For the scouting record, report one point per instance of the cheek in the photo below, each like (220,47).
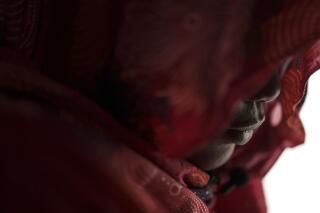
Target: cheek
(212,156)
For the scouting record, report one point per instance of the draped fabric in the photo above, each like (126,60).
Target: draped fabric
(101,101)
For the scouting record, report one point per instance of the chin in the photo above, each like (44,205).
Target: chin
(212,156)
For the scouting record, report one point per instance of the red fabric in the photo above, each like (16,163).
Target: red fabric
(64,150)
(252,199)
(59,170)
(178,57)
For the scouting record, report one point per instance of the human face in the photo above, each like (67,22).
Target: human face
(248,116)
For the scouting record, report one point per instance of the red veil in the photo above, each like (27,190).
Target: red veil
(101,100)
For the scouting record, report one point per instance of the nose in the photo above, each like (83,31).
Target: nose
(270,91)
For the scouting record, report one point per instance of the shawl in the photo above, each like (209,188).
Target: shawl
(101,100)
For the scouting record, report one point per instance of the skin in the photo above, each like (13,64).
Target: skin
(248,116)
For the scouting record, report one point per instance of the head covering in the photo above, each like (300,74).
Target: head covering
(174,72)
(182,70)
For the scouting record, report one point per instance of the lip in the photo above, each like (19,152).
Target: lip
(238,137)
(249,115)
(250,127)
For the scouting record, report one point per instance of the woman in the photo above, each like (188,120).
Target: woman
(137,106)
